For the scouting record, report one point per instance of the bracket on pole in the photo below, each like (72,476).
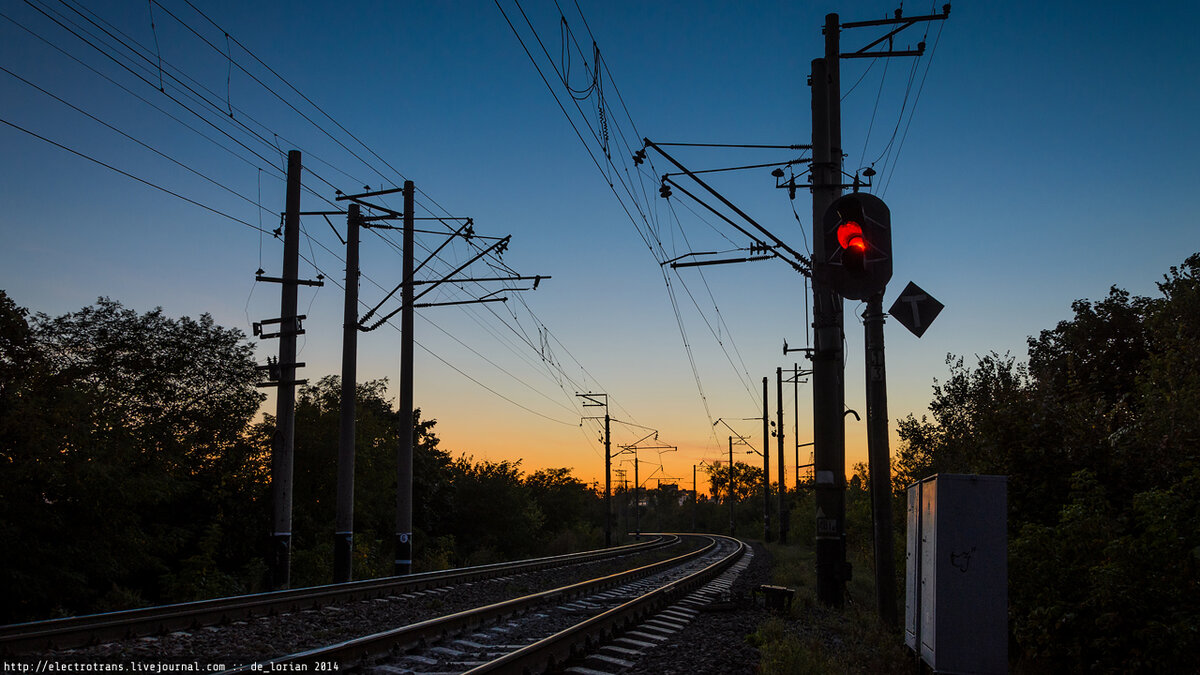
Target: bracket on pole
(808,351)
(590,400)
(798,261)
(320,281)
(902,22)
(281,384)
(258,328)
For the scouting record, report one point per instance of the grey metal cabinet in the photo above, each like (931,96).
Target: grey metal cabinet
(956,573)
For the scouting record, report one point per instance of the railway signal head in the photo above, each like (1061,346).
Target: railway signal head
(857,247)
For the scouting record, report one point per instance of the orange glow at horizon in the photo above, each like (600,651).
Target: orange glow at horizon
(583,455)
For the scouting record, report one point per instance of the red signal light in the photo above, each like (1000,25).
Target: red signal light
(850,236)
(855,256)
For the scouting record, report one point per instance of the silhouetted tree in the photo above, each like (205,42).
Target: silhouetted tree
(1100,438)
(125,473)
(746,480)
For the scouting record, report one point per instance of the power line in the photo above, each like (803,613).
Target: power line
(93,44)
(263,84)
(129,175)
(306,99)
(201,98)
(875,108)
(130,92)
(314,105)
(649,236)
(496,365)
(141,143)
(928,63)
(903,107)
(207,103)
(721,322)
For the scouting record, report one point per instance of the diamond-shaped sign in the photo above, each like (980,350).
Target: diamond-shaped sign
(915,309)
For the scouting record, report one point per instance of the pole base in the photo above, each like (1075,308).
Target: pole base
(281,561)
(403,554)
(343,557)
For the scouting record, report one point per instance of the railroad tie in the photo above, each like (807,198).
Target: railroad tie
(580,670)
(642,635)
(639,644)
(620,652)
(469,644)
(446,651)
(676,615)
(663,626)
(392,670)
(610,660)
(416,658)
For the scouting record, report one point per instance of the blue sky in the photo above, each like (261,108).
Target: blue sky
(1051,154)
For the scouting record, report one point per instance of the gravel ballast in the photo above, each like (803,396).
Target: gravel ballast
(715,640)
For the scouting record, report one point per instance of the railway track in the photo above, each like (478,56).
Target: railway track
(72,632)
(605,621)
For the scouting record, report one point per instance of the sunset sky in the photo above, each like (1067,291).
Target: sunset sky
(1035,155)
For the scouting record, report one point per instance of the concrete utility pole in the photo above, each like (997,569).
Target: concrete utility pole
(594,401)
(343,536)
(784,515)
(828,373)
(281,373)
(878,457)
(794,379)
(283,442)
(693,498)
(408,431)
(407,428)
(607,476)
(766,468)
(729,489)
(625,507)
(637,502)
(829,433)
(796,420)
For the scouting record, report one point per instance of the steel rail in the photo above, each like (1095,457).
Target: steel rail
(89,629)
(432,630)
(575,642)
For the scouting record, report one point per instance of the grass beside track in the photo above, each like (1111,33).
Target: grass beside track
(811,638)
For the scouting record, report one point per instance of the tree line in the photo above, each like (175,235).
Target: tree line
(134,470)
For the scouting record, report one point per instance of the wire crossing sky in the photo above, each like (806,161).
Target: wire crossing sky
(1034,155)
